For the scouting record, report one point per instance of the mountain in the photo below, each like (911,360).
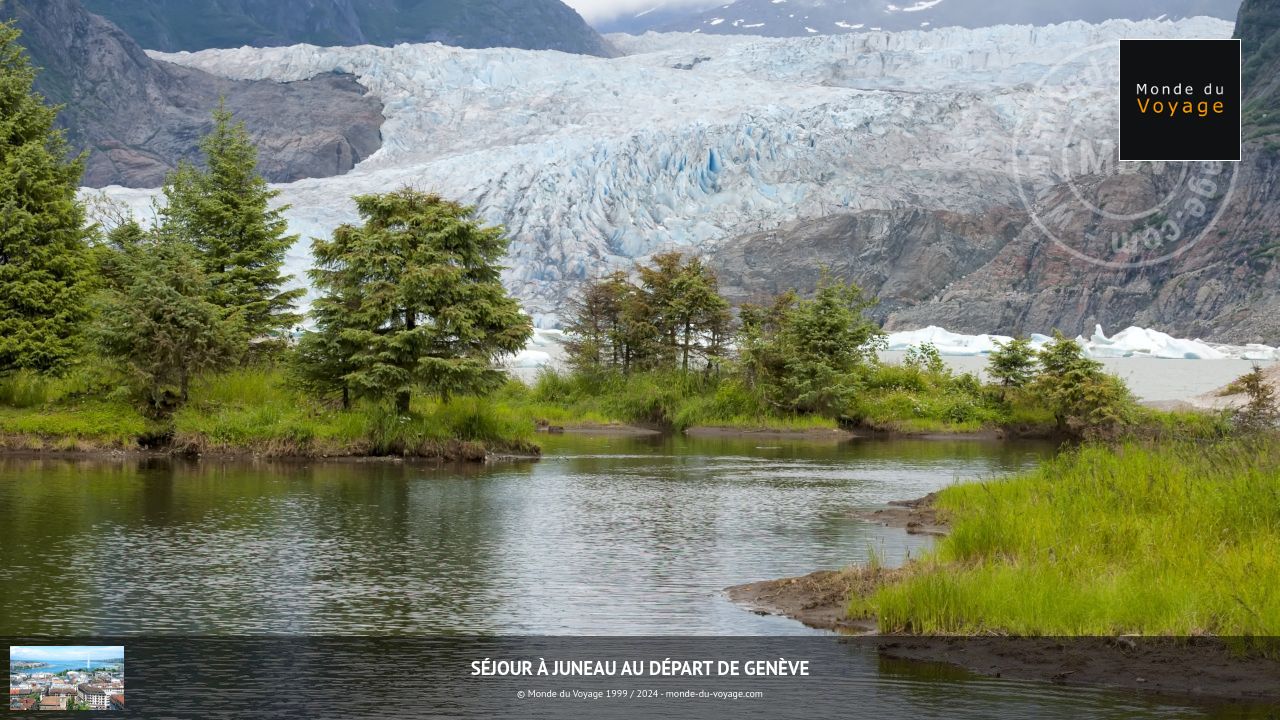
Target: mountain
(1226,285)
(138,117)
(174,25)
(1259,31)
(799,18)
(707,144)
(660,14)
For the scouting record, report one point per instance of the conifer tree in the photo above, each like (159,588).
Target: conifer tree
(43,249)
(156,320)
(422,299)
(806,354)
(224,211)
(325,356)
(686,308)
(1013,364)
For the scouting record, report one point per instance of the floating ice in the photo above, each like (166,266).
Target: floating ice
(1130,342)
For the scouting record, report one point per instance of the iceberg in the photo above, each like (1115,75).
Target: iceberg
(1130,342)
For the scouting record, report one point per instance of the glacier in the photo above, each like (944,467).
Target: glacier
(596,164)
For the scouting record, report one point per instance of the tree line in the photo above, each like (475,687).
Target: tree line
(409,300)
(815,354)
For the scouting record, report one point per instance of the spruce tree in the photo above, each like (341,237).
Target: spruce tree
(157,322)
(806,355)
(325,355)
(224,211)
(1013,364)
(420,291)
(43,249)
(685,306)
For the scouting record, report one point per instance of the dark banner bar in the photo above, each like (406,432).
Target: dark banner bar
(561,677)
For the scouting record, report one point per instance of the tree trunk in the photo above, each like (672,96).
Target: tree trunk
(346,398)
(684,363)
(402,397)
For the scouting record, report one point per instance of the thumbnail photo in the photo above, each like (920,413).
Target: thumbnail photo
(66,677)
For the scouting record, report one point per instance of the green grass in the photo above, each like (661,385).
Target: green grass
(1169,539)
(670,400)
(257,409)
(900,398)
(252,410)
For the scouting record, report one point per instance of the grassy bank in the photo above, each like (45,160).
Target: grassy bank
(1173,539)
(257,411)
(891,399)
(669,400)
(251,411)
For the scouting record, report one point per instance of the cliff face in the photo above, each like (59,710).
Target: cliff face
(898,256)
(1225,286)
(175,25)
(138,117)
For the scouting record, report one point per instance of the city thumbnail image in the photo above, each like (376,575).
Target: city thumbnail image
(66,677)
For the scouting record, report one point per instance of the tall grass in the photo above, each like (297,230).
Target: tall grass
(255,408)
(250,410)
(669,399)
(1176,539)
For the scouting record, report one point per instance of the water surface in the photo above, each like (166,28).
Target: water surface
(604,536)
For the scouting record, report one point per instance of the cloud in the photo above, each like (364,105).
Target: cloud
(599,10)
(65,653)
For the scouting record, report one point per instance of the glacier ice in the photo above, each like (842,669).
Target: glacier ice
(593,164)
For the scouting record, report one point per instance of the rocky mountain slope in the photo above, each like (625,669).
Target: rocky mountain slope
(798,18)
(1220,279)
(694,140)
(138,117)
(173,25)
(899,255)
(1224,286)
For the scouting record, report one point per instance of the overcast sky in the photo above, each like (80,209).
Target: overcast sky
(596,10)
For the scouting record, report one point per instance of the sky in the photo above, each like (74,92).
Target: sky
(597,10)
(68,653)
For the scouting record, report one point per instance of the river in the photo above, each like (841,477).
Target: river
(605,536)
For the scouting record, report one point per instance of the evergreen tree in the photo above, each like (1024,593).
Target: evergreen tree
(686,309)
(325,356)
(1013,364)
(427,306)
(807,354)
(159,324)
(594,337)
(759,353)
(224,211)
(1260,411)
(614,325)
(113,256)
(43,250)
(1085,400)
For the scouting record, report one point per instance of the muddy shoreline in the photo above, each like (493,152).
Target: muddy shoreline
(1209,669)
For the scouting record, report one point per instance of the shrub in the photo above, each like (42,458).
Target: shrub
(1260,411)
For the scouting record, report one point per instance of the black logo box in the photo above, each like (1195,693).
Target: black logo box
(1189,65)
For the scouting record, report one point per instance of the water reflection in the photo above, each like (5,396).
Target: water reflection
(604,536)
